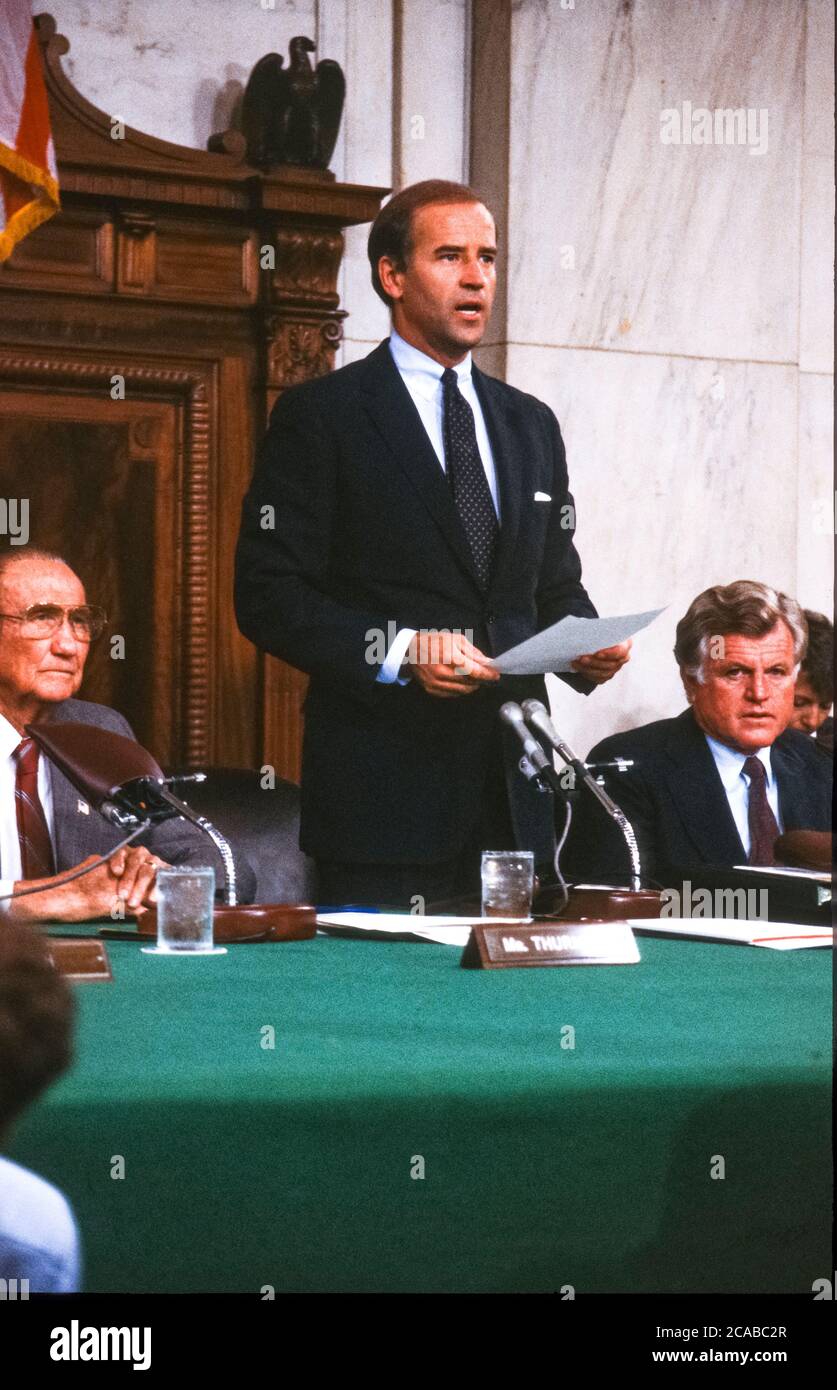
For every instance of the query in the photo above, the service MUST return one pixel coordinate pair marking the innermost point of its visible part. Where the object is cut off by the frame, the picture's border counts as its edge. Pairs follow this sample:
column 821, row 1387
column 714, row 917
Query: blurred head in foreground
column 36, row 1021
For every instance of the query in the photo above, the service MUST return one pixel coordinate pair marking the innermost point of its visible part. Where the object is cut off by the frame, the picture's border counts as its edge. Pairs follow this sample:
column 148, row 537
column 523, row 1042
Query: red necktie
column 763, row 828
column 36, row 859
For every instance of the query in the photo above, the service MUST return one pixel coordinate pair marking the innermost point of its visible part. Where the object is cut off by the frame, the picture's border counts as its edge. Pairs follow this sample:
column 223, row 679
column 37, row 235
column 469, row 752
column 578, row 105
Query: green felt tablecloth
column 543, row 1165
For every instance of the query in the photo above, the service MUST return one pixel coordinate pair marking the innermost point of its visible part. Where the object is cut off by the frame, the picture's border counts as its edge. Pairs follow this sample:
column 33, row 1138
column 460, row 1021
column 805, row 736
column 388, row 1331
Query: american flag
column 28, row 173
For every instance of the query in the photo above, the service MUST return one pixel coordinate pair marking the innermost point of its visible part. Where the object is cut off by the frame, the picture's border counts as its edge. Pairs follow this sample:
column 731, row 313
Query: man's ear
column 391, row 277
column 689, row 685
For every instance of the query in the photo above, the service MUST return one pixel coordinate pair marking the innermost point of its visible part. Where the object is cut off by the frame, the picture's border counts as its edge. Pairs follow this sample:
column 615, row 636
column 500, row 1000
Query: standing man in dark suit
column 46, row 828
column 718, row 784
column 409, row 518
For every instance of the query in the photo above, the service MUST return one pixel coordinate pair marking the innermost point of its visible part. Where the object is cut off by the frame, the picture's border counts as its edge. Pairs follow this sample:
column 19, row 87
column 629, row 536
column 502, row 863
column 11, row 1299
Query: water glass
column 185, row 900
column 508, row 878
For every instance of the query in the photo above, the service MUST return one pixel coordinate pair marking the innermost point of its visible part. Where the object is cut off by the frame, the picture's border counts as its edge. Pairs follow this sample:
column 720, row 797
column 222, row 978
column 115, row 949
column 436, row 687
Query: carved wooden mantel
column 146, row 331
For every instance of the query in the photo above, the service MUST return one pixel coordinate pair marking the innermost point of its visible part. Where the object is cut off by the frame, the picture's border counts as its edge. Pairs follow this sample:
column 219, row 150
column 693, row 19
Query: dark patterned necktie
column 467, row 479
column 763, row 828
column 36, row 859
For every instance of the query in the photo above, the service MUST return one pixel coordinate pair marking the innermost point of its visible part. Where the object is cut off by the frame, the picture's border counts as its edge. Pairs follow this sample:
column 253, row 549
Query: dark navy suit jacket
column 350, row 529
column 675, row 800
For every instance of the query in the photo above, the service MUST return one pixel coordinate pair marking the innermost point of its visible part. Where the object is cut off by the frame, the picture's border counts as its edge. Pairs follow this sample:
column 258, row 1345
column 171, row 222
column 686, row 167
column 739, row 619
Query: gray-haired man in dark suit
column 718, row 784
column 46, row 828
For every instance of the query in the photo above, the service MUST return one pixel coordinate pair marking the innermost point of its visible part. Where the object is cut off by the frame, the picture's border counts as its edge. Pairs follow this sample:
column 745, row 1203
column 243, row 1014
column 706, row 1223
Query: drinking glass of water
column 508, row 877
column 185, row 900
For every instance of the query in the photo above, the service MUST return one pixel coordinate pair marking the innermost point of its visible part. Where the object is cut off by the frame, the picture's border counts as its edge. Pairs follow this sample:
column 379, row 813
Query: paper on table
column 403, row 926
column 786, row 871
column 779, row 936
column 557, row 647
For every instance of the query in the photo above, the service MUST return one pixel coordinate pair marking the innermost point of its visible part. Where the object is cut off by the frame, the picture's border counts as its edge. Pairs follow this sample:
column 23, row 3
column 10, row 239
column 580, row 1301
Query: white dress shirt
column 10, row 865
column 730, row 765
column 422, row 376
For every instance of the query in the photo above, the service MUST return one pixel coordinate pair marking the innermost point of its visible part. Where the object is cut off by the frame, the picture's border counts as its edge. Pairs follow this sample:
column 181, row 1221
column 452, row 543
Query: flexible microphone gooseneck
column 537, row 717
column 150, row 797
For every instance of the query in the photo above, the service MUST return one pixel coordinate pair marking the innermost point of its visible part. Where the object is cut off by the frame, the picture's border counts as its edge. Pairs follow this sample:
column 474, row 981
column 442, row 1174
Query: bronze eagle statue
column 292, row 115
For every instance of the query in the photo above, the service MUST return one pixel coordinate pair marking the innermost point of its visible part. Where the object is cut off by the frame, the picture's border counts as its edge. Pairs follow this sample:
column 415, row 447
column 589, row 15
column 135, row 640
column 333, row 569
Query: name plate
column 80, row 958
column 549, row 943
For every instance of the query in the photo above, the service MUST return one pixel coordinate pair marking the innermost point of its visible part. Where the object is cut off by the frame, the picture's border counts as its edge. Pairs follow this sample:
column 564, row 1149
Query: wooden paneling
column 188, row 263
column 143, row 347
column 72, row 254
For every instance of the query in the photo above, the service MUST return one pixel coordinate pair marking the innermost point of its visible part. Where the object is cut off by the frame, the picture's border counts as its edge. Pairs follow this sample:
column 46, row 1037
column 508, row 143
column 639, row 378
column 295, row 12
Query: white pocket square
column 542, row 497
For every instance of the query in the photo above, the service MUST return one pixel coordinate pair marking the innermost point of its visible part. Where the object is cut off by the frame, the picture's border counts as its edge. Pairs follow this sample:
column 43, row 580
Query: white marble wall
column 673, row 302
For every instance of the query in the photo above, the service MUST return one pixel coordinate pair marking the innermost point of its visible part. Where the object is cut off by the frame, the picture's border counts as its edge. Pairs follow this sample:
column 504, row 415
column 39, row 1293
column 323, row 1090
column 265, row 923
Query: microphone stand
column 539, row 769
column 618, row 815
column 160, row 804
column 150, row 797
column 123, row 782
column 537, row 718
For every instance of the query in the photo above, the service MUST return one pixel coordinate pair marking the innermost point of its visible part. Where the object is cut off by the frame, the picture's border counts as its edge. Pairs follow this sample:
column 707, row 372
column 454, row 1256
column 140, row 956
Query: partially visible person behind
column 38, row 1235
column 814, row 695
column 718, row 784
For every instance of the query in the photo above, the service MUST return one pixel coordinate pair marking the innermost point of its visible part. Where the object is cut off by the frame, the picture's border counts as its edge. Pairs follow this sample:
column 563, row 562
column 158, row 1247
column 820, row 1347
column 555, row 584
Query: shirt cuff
column 388, row 674
column 7, row 885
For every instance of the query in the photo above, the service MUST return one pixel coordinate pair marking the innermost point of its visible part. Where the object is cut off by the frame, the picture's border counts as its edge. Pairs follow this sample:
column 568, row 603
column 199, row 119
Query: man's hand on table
column 127, row 878
column 446, row 664
column 602, row 666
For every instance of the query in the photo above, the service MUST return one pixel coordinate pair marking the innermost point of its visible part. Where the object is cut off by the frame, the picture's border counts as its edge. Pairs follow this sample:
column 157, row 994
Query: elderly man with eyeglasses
column 46, row 627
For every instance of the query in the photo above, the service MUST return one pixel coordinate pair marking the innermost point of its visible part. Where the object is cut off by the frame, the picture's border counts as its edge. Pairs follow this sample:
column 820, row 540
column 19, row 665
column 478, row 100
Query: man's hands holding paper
column 447, row 664
column 602, row 666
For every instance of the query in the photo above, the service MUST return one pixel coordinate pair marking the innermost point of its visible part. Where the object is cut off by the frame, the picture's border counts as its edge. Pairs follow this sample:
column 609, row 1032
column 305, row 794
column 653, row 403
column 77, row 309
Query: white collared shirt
column 422, row 376
column 10, row 865
column 736, row 783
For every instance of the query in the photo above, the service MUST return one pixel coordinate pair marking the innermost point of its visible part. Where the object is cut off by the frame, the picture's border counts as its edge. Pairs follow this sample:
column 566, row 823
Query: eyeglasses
column 44, row 619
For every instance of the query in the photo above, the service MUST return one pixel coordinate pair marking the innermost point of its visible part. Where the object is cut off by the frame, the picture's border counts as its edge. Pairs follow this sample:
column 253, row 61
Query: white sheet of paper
column 403, row 926
column 558, row 646
column 779, row 936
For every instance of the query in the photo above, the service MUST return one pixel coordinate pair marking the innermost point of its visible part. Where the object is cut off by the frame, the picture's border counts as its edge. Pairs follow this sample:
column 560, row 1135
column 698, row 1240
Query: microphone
column 535, row 765
column 122, row 781
column 512, row 715
column 536, row 716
